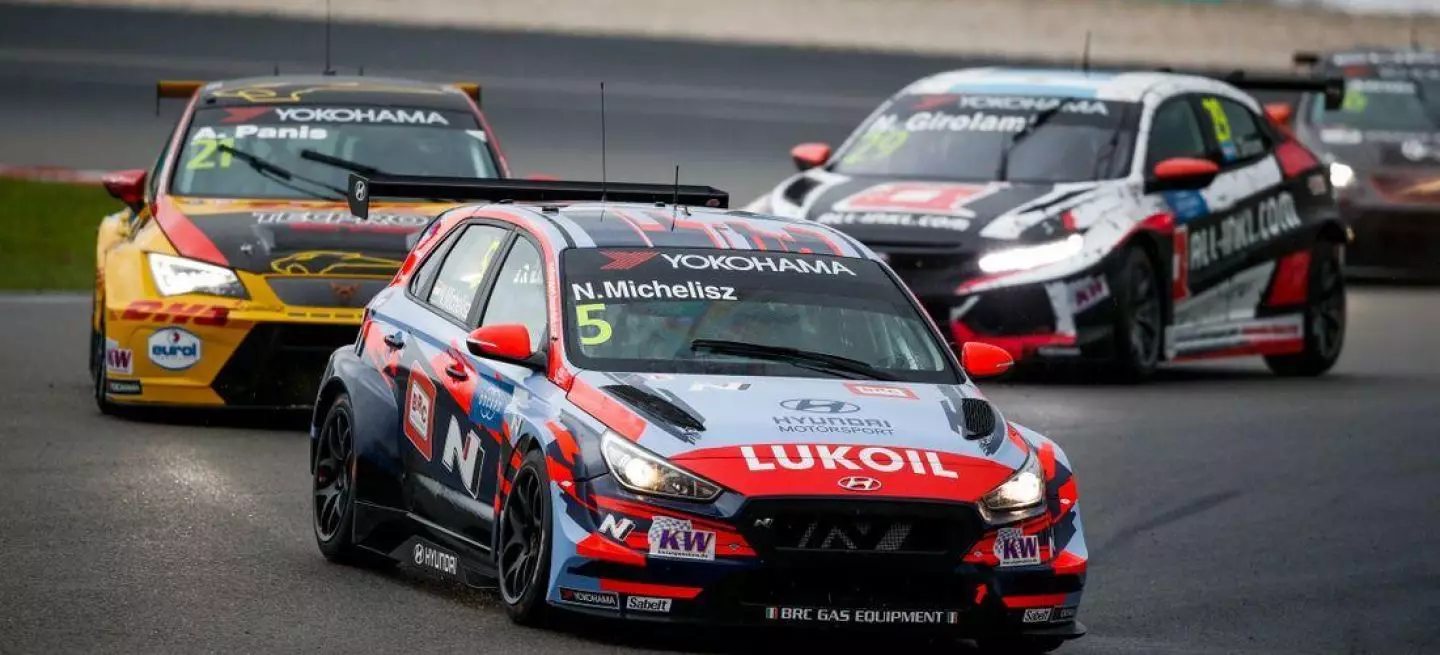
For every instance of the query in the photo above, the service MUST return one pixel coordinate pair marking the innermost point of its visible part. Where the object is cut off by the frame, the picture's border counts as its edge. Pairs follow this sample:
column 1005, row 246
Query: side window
column 1237, row 131
column 464, row 269
column 519, row 293
column 1175, row 132
column 420, row 281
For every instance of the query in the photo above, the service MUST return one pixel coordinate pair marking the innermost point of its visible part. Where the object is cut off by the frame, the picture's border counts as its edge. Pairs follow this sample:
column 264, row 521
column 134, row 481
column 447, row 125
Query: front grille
column 867, row 587
column 806, row 533
column 326, row 291
column 1008, row 312
column 979, row 418
column 279, row 365
column 930, row 272
column 1396, row 239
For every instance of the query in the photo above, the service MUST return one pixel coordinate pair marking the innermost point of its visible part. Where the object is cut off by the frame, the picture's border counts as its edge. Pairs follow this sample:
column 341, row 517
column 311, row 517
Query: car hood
column 804, row 436
column 889, row 212
column 309, row 238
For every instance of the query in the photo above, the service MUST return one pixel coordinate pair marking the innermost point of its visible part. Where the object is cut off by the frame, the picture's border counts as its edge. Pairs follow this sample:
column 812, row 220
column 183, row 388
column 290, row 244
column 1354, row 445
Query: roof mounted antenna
column 603, row 178
column 675, row 201
column 277, row 69
column 1085, row 56
column 328, row 69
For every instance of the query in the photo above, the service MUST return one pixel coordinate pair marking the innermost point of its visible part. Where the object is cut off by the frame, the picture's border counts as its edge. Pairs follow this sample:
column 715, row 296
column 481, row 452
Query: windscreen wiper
column 337, row 162
column 280, row 174
column 810, row 359
column 1003, row 170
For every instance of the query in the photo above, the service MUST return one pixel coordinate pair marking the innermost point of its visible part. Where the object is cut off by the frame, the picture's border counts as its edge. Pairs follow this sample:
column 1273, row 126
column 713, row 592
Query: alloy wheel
column 522, row 533
column 332, row 474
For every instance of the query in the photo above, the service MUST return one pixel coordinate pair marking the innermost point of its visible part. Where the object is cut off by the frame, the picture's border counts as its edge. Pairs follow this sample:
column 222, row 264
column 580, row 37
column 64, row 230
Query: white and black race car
column 1123, row 218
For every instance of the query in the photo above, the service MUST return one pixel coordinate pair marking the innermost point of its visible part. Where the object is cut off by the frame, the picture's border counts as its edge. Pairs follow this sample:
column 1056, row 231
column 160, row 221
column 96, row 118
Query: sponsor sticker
column 123, row 387
column 757, row 264
column 209, row 134
column 803, row 457
column 419, row 411
column 359, row 115
column 602, row 599
column 173, row 349
column 179, row 313
column 1242, row 231
column 1036, row 615
column 820, row 406
column 880, row 390
column 1087, row 292
column 832, row 425
column 463, row 455
column 1063, row 613
column 673, row 538
column 433, row 558
column 118, row 360
column 1014, row 548
column 1316, row 184
column 933, row 200
column 861, row 615
column 333, row 218
column 647, row 604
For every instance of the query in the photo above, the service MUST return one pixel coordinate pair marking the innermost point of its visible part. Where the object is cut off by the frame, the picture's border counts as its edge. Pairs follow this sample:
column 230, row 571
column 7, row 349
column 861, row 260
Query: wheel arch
column 1158, row 246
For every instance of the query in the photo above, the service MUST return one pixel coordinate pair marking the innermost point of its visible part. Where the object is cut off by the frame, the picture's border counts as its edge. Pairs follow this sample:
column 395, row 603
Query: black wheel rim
column 522, row 532
column 332, row 474
column 1144, row 316
column 1327, row 321
column 97, row 363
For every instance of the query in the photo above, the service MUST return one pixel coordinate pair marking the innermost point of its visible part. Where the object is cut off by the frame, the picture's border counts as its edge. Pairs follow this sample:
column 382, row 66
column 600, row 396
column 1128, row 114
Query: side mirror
column 127, row 187
column 507, row 342
column 810, row 155
column 1183, row 174
column 982, row 360
column 1280, row 113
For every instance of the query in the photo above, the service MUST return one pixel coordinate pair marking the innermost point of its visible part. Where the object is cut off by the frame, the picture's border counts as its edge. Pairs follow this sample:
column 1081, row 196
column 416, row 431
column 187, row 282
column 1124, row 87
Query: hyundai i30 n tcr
column 671, row 413
column 1382, row 145
column 1124, row 218
column 235, row 270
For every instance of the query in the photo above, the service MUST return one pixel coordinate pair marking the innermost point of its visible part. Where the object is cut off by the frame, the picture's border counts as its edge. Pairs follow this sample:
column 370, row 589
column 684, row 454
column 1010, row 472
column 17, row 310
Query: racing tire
column 1140, row 316
column 98, row 377
column 1019, row 645
column 1324, row 318
column 523, row 559
column 333, row 500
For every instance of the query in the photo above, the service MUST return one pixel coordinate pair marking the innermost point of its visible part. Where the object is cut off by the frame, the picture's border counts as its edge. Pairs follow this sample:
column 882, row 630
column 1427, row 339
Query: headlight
column 1341, row 176
column 177, row 275
column 1020, row 497
column 641, row 471
column 1016, row 259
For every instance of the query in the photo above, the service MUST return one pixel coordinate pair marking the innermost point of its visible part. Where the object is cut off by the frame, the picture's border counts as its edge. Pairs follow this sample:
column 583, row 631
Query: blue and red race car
column 655, row 408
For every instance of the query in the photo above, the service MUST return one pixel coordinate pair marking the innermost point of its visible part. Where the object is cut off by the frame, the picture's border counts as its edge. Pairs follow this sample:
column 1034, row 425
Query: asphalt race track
column 1227, row 511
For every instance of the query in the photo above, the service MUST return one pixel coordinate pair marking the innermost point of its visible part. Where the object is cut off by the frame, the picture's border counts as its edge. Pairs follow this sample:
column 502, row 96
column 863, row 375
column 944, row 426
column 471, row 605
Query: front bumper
column 1069, row 319
column 889, row 565
column 1392, row 240
column 247, row 355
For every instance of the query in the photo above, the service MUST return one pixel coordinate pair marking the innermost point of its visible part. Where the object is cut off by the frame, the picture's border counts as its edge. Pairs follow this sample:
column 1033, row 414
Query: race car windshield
column 1382, row 105
column 315, row 147
column 744, row 313
column 966, row 136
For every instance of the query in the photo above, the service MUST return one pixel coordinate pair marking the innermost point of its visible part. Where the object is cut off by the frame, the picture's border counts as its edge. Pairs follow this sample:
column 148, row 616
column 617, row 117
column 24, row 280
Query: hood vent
column 979, row 418
column 656, row 407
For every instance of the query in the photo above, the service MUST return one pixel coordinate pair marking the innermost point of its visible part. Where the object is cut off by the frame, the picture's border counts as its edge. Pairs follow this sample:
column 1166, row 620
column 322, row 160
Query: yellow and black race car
column 235, row 269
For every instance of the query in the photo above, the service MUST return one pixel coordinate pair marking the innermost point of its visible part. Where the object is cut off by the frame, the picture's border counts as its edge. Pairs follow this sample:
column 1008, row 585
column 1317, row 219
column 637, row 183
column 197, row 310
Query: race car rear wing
column 361, row 189
column 1333, row 88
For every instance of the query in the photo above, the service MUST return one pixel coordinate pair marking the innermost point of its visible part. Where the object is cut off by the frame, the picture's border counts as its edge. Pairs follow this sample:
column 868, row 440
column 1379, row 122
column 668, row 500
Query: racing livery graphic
column 645, row 410
column 235, row 269
column 1382, row 145
column 1123, row 219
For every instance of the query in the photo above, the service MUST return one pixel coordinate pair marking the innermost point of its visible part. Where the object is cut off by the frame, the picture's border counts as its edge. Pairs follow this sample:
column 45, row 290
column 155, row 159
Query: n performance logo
column 624, row 260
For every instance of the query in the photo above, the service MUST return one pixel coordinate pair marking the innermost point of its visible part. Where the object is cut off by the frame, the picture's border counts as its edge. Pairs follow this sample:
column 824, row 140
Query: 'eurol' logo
column 174, row 349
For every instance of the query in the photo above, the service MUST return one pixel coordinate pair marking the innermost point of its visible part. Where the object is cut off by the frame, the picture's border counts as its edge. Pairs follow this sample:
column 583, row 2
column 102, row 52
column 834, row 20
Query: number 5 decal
column 584, row 316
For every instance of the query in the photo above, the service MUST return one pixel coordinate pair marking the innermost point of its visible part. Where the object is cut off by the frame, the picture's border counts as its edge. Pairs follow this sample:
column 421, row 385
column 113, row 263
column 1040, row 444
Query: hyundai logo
column 820, row 406
column 361, row 190
column 859, row 483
